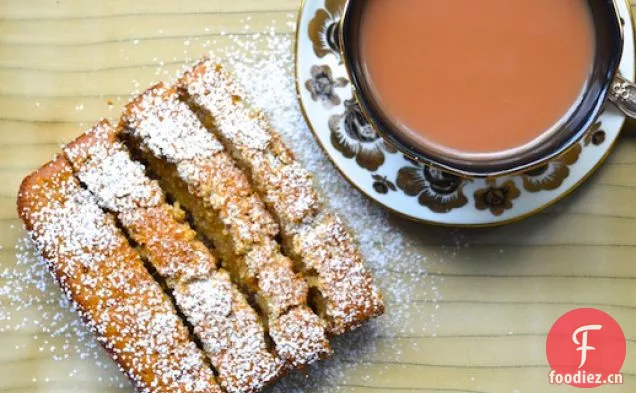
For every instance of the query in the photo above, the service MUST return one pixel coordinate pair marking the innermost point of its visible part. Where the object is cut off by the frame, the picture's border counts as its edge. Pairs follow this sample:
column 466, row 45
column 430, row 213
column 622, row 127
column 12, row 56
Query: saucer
column 414, row 190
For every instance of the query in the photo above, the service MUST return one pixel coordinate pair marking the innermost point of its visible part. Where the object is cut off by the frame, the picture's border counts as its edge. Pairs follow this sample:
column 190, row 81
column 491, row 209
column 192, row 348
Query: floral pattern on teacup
column 382, row 184
column 595, row 135
column 551, row 175
column 497, row 198
column 353, row 136
column 324, row 29
column 403, row 185
column 322, row 86
column 439, row 191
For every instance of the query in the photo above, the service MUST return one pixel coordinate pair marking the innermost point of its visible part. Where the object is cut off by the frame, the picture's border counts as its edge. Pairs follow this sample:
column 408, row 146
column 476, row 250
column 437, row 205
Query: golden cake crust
column 247, row 135
column 105, row 279
column 123, row 254
column 227, row 327
column 347, row 295
column 217, row 193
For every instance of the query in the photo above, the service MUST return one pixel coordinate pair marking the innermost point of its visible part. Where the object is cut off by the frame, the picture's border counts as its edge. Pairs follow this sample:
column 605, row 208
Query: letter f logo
column 583, row 343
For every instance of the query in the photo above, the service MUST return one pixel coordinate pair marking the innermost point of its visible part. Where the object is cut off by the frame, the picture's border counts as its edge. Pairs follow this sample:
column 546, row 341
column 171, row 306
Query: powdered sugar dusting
column 242, row 127
column 114, row 191
column 320, row 245
column 225, row 195
column 96, row 268
column 217, row 181
column 34, row 307
column 307, row 340
column 205, row 297
column 170, row 130
column 230, row 332
column 284, row 184
column 345, row 284
column 263, row 64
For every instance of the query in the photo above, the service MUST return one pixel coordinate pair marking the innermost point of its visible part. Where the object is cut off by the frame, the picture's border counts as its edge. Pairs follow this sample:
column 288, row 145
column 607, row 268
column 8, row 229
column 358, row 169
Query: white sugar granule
column 264, row 64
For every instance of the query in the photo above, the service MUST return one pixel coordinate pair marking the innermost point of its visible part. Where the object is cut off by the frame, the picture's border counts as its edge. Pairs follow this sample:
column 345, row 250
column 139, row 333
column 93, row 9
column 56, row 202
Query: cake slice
column 196, row 171
column 342, row 288
column 106, row 280
column 226, row 325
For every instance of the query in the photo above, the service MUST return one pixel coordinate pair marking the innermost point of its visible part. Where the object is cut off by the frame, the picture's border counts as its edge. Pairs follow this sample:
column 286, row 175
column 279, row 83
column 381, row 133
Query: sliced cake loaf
column 194, row 169
column 342, row 288
column 106, row 280
column 226, row 325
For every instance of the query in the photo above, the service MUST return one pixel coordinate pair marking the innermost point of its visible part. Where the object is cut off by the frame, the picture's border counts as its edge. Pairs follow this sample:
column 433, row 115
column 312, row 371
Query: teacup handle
column 623, row 94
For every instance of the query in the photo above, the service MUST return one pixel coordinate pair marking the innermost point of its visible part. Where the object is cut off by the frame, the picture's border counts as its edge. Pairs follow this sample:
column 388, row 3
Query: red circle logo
column 585, row 348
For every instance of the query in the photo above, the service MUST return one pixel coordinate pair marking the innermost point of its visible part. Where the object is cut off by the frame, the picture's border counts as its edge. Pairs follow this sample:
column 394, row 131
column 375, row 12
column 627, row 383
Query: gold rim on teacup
column 605, row 84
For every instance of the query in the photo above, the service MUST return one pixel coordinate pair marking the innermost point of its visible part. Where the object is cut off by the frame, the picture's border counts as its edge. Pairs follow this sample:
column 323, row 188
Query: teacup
column 603, row 84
